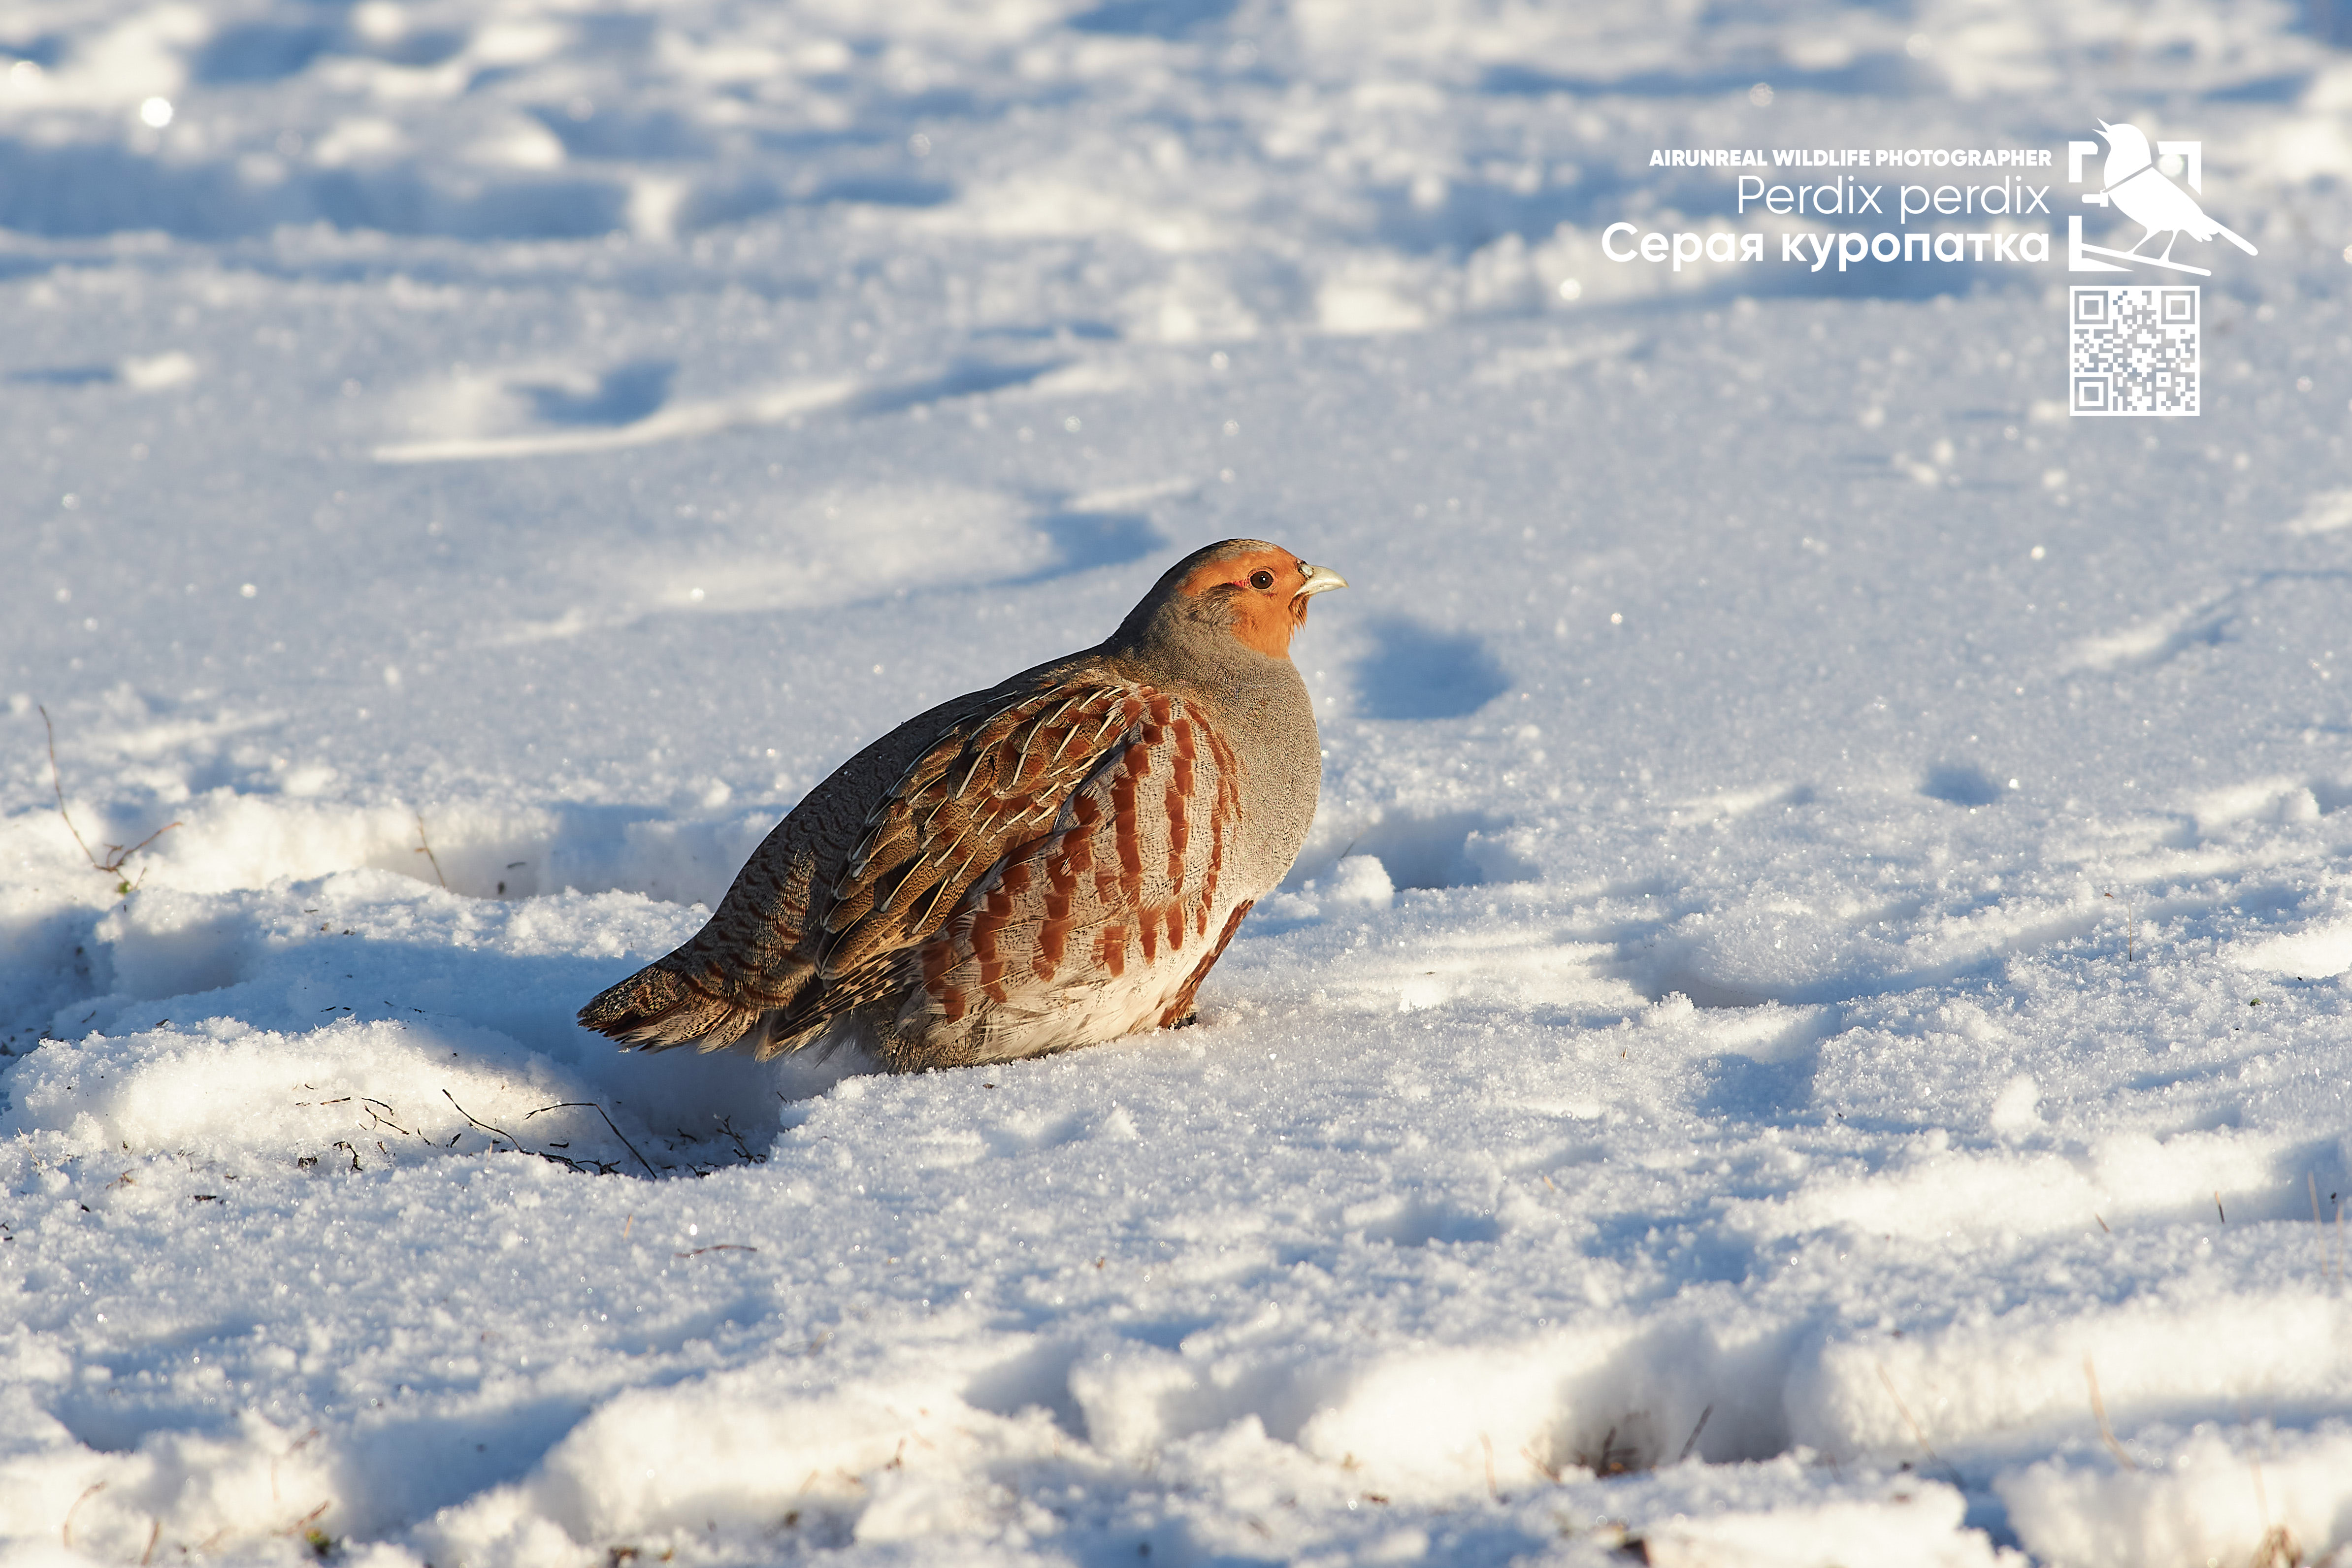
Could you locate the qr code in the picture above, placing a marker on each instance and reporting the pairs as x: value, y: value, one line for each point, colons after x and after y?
x: 2132, y: 351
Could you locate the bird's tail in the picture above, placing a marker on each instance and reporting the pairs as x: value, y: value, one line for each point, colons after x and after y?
x: 656, y: 1008
x: 2239, y: 241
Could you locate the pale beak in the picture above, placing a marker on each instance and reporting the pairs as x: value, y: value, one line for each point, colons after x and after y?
x: 1319, y: 579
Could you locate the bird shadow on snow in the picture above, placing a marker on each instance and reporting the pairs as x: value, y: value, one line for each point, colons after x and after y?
x: 471, y: 1002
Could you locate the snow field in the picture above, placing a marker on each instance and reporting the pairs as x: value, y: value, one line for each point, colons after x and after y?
x: 1812, y: 1025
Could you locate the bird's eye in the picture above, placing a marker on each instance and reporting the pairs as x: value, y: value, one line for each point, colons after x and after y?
x: 1261, y: 580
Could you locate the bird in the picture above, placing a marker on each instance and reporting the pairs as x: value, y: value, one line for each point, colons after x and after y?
x: 2139, y: 189
x: 1054, y: 861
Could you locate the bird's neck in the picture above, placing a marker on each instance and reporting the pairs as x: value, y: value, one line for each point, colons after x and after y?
x: 1193, y: 650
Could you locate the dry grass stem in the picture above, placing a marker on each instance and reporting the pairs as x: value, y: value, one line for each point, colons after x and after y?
x: 1917, y: 1431
x: 116, y: 855
x: 2277, y: 1548
x: 592, y: 1105
x: 65, y: 1530
x: 2099, y: 1411
x: 425, y: 847
x: 1614, y: 1458
x: 1691, y: 1442
x: 2131, y: 926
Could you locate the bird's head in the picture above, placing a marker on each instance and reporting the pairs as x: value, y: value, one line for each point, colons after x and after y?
x: 1256, y: 590
x: 2125, y: 141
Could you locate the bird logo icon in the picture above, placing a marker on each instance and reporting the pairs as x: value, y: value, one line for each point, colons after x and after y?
x: 2135, y: 185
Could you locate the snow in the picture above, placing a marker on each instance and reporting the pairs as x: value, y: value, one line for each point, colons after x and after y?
x: 1813, y: 1023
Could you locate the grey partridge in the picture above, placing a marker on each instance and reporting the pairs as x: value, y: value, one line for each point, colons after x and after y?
x: 1054, y: 861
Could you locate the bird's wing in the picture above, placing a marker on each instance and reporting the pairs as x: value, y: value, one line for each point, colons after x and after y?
x: 985, y: 789
x: 806, y: 932
x: 1128, y: 877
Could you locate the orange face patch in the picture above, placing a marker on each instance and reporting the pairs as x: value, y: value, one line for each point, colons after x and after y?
x: 1263, y: 587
